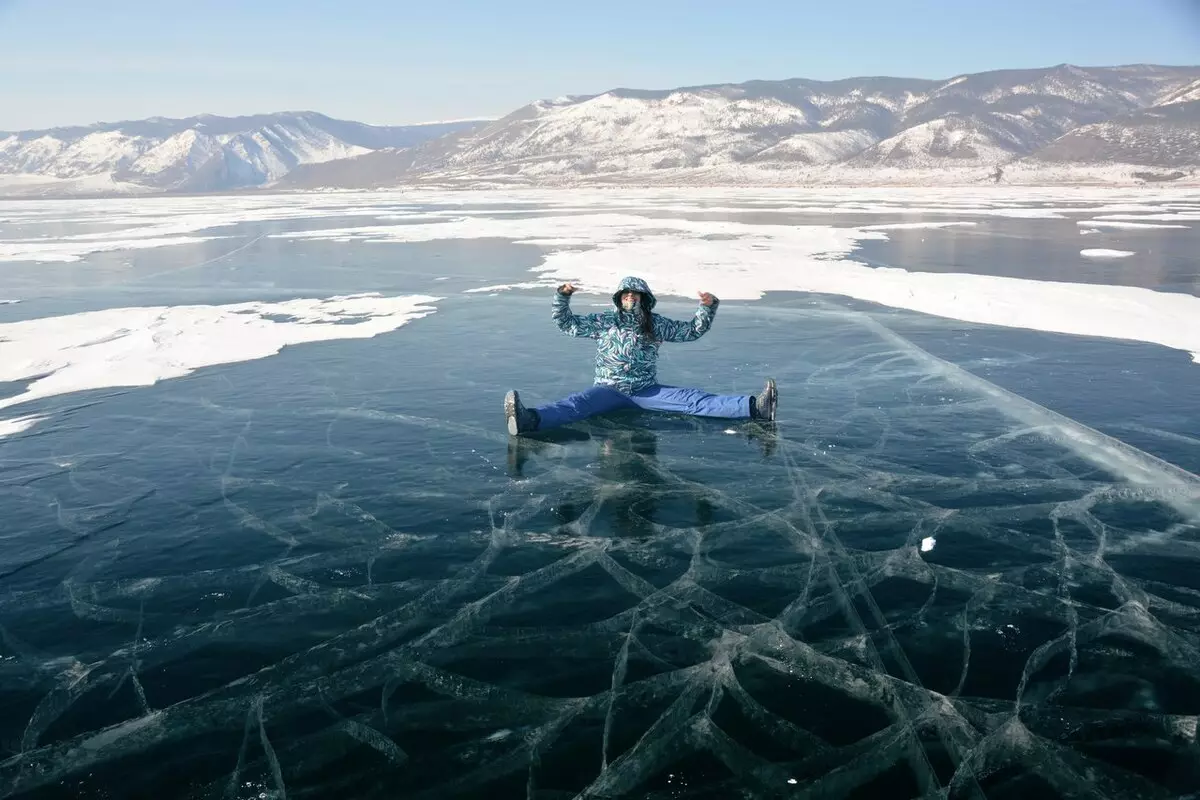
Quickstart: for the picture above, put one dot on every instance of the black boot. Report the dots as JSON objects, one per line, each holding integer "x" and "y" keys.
{"x": 766, "y": 401}
{"x": 520, "y": 419}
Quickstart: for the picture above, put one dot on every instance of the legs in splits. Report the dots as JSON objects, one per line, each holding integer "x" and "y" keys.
{"x": 672, "y": 399}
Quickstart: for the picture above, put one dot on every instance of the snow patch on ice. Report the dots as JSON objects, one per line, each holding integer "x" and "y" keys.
{"x": 502, "y": 287}
{"x": 75, "y": 250}
{"x": 160, "y": 222}
{"x": 904, "y": 226}
{"x": 740, "y": 261}
{"x": 1107, "y": 223}
{"x": 734, "y": 260}
{"x": 1103, "y": 252}
{"x": 1178, "y": 215}
{"x": 17, "y": 424}
{"x": 141, "y": 346}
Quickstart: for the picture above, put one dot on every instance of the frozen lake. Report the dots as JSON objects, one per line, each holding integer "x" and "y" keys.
{"x": 264, "y": 531}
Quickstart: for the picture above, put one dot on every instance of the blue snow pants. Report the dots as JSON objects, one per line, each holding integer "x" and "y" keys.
{"x": 601, "y": 399}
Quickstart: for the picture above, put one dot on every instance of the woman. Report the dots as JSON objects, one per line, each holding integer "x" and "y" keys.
{"x": 627, "y": 365}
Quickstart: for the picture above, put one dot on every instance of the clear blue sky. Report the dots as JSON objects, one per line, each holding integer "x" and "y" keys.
{"x": 397, "y": 61}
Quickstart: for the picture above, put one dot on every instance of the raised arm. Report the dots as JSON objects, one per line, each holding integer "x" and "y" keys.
{"x": 586, "y": 325}
{"x": 674, "y": 330}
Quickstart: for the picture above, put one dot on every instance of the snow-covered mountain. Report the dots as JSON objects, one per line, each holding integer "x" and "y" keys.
{"x": 1165, "y": 135}
{"x": 204, "y": 153}
{"x": 1056, "y": 124}
{"x": 855, "y": 130}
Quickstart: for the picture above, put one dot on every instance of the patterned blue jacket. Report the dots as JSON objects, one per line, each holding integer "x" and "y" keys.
{"x": 625, "y": 359}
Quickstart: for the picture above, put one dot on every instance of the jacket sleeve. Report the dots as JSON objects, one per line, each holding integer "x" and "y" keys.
{"x": 586, "y": 325}
{"x": 674, "y": 330}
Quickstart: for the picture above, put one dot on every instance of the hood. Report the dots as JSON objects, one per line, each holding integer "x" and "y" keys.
{"x": 632, "y": 284}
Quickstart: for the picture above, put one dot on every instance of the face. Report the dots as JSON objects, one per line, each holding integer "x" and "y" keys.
{"x": 630, "y": 300}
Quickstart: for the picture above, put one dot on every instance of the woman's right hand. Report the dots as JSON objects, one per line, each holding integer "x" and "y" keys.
{"x": 566, "y": 289}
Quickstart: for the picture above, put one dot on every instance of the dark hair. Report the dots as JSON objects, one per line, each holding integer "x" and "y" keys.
{"x": 645, "y": 317}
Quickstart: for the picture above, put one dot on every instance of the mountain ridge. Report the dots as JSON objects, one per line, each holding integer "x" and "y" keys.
{"x": 1061, "y": 124}
{"x": 200, "y": 153}
{"x": 974, "y": 127}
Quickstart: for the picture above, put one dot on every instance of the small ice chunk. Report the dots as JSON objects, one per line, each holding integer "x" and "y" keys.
{"x": 927, "y": 544}
{"x": 18, "y": 424}
{"x": 1096, "y": 223}
{"x": 1103, "y": 252}
{"x": 730, "y": 430}
{"x": 904, "y": 226}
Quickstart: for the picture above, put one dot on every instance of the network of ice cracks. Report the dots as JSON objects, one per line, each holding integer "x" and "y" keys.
{"x": 817, "y": 630}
